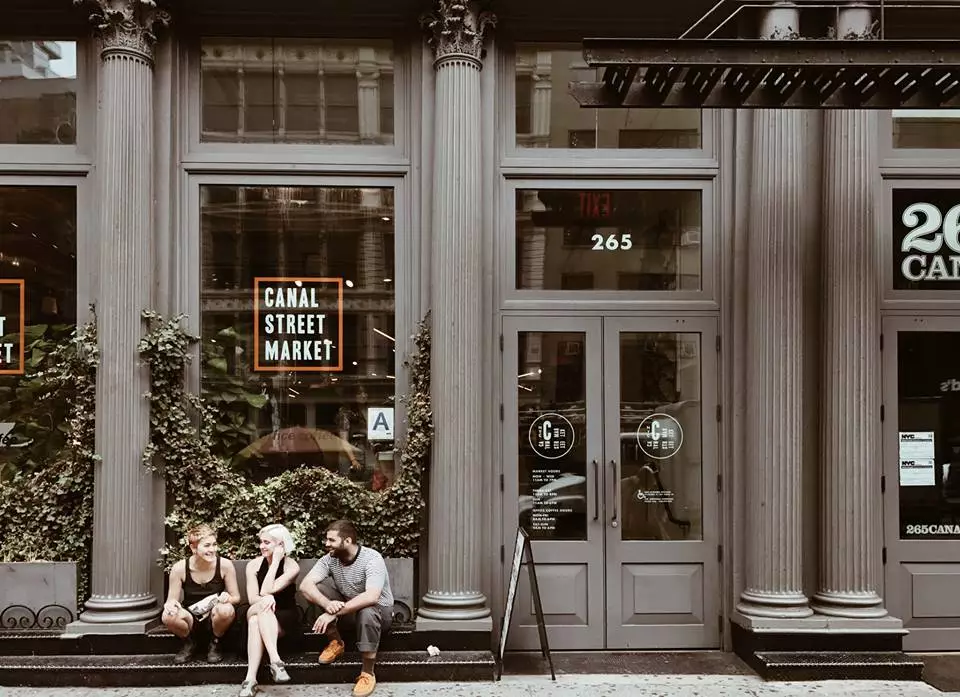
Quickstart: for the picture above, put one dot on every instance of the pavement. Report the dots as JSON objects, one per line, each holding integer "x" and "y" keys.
{"x": 534, "y": 686}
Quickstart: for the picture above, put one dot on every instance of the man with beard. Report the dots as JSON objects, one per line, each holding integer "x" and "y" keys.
{"x": 351, "y": 582}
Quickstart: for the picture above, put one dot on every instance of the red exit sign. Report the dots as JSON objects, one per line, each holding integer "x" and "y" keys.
{"x": 595, "y": 205}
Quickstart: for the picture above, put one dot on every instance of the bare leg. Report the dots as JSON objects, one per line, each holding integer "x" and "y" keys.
{"x": 223, "y": 615}
{"x": 254, "y": 647}
{"x": 269, "y": 631}
{"x": 180, "y": 624}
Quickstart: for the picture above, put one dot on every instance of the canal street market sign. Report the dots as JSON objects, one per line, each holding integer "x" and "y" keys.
{"x": 12, "y": 326}
{"x": 298, "y": 324}
{"x": 926, "y": 239}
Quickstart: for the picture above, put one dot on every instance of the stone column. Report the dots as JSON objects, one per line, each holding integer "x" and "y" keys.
{"x": 368, "y": 95}
{"x": 122, "y": 554}
{"x": 850, "y": 374}
{"x": 455, "y": 556}
{"x": 779, "y": 226}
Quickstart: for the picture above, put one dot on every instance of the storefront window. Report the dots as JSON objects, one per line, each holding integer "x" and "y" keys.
{"x": 547, "y": 116}
{"x": 38, "y": 311}
{"x": 297, "y": 91}
{"x": 926, "y": 128}
{"x": 38, "y": 92}
{"x": 929, "y": 435}
{"x": 298, "y": 328}
{"x": 593, "y": 239}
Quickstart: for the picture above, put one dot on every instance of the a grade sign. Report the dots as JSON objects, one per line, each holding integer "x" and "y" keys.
{"x": 660, "y": 436}
{"x": 551, "y": 436}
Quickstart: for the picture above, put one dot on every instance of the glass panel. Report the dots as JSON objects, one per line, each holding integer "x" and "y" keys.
{"x": 592, "y": 239}
{"x": 298, "y": 326}
{"x": 38, "y": 258}
{"x": 552, "y": 436}
{"x": 926, "y": 128}
{"x": 660, "y": 453}
{"x": 928, "y": 457}
{"x": 925, "y": 252}
{"x": 297, "y": 91}
{"x": 549, "y": 117}
{"x": 38, "y": 92}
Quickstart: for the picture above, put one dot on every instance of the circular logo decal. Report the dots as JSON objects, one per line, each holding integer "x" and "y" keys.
{"x": 660, "y": 436}
{"x": 551, "y": 436}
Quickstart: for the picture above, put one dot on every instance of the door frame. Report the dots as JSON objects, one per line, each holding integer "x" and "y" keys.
{"x": 925, "y": 634}
{"x": 707, "y": 324}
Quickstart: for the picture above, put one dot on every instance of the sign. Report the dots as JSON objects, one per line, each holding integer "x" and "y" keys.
{"x": 660, "y": 436}
{"x": 551, "y": 436}
{"x": 380, "y": 423}
{"x": 522, "y": 546}
{"x": 12, "y": 326}
{"x": 298, "y": 324}
{"x": 926, "y": 239}
{"x": 916, "y": 457}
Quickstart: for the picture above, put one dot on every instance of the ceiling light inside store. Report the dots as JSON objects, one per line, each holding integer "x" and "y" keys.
{"x": 384, "y": 334}
{"x": 15, "y": 225}
{"x": 385, "y": 218}
{"x": 354, "y": 362}
{"x": 349, "y": 283}
{"x": 388, "y": 280}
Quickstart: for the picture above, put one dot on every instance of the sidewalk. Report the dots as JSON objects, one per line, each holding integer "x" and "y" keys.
{"x": 528, "y": 686}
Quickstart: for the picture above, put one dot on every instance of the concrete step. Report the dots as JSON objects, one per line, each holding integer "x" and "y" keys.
{"x": 837, "y": 665}
{"x": 142, "y": 670}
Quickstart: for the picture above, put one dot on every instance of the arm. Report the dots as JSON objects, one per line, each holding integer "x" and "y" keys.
{"x": 230, "y": 581}
{"x": 253, "y": 590}
{"x": 176, "y": 586}
{"x": 319, "y": 572}
{"x": 376, "y": 573}
{"x": 291, "y": 570}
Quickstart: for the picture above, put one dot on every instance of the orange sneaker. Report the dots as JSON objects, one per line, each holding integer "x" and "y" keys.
{"x": 365, "y": 685}
{"x": 333, "y": 651}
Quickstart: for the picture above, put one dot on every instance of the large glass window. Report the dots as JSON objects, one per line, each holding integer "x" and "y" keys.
{"x": 593, "y": 239}
{"x": 298, "y": 327}
{"x": 926, "y": 128}
{"x": 38, "y": 311}
{"x": 297, "y": 91}
{"x": 547, "y": 116}
{"x": 38, "y": 92}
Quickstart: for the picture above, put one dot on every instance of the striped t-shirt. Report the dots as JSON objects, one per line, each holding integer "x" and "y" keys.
{"x": 368, "y": 570}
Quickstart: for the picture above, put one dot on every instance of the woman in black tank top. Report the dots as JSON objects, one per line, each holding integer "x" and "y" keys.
{"x": 273, "y": 610}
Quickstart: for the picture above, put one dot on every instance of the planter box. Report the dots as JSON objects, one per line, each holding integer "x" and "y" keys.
{"x": 38, "y": 595}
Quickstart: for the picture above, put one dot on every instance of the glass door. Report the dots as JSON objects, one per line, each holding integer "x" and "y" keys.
{"x": 922, "y": 476}
{"x": 660, "y": 436}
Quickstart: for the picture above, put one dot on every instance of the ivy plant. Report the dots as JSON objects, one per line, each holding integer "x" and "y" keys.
{"x": 203, "y": 487}
{"x": 47, "y": 508}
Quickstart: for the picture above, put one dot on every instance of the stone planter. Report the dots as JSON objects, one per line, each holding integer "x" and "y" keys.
{"x": 38, "y": 595}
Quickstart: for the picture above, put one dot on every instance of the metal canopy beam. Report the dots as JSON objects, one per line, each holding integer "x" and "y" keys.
{"x": 753, "y": 73}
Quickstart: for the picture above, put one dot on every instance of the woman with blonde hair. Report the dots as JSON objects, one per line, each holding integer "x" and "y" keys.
{"x": 271, "y": 591}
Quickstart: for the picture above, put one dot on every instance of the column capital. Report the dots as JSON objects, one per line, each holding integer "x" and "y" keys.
{"x": 127, "y": 26}
{"x": 457, "y": 29}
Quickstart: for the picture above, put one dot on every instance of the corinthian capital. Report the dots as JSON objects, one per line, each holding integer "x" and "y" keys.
{"x": 127, "y": 26}
{"x": 457, "y": 28}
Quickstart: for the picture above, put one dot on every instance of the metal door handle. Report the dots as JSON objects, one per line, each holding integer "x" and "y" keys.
{"x": 596, "y": 490}
{"x": 616, "y": 493}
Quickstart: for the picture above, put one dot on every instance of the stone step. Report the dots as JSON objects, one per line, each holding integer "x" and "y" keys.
{"x": 159, "y": 669}
{"x": 837, "y": 665}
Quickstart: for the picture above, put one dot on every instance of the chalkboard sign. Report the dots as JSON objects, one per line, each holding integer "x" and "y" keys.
{"x": 523, "y": 545}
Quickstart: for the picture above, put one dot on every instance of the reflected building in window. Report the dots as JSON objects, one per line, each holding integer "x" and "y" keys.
{"x": 37, "y": 100}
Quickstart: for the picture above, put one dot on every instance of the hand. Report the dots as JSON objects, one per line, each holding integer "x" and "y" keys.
{"x": 334, "y": 606}
{"x": 268, "y": 603}
{"x": 323, "y": 622}
{"x": 171, "y": 608}
{"x": 278, "y": 553}
{"x": 223, "y": 598}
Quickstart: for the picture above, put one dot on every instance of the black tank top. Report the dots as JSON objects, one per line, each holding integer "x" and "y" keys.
{"x": 194, "y": 592}
{"x": 286, "y": 598}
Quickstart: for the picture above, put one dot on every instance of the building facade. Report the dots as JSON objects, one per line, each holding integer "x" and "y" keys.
{"x": 702, "y": 355}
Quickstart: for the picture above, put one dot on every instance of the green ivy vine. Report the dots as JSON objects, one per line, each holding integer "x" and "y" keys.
{"x": 203, "y": 487}
{"x": 47, "y": 509}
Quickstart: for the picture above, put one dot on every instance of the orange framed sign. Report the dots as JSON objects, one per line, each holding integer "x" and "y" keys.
{"x": 298, "y": 324}
{"x": 12, "y": 324}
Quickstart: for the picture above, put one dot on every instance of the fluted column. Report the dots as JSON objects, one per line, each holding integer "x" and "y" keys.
{"x": 455, "y": 31}
{"x": 122, "y": 554}
{"x": 850, "y": 516}
{"x": 777, "y": 232}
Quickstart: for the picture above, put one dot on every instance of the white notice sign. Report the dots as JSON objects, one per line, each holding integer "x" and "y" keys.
{"x": 917, "y": 473}
{"x": 380, "y": 423}
{"x": 916, "y": 445}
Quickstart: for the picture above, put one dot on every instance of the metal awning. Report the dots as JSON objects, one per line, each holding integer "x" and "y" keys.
{"x": 754, "y": 73}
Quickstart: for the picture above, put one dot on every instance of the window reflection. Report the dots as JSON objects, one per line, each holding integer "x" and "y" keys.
{"x": 297, "y": 91}
{"x": 547, "y": 116}
{"x": 926, "y": 128}
{"x": 38, "y": 92}
{"x": 629, "y": 240}
{"x": 275, "y": 420}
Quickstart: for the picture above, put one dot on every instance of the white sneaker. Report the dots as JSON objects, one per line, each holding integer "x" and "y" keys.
{"x": 248, "y": 688}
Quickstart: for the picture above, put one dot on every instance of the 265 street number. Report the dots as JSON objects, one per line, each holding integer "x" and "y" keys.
{"x": 611, "y": 243}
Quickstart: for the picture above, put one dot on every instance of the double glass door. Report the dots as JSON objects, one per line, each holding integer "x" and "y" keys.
{"x": 610, "y": 444}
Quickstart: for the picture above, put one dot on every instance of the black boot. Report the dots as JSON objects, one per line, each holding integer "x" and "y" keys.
{"x": 185, "y": 652}
{"x": 213, "y": 651}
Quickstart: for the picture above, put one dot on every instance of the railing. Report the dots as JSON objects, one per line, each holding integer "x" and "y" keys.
{"x": 20, "y": 618}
